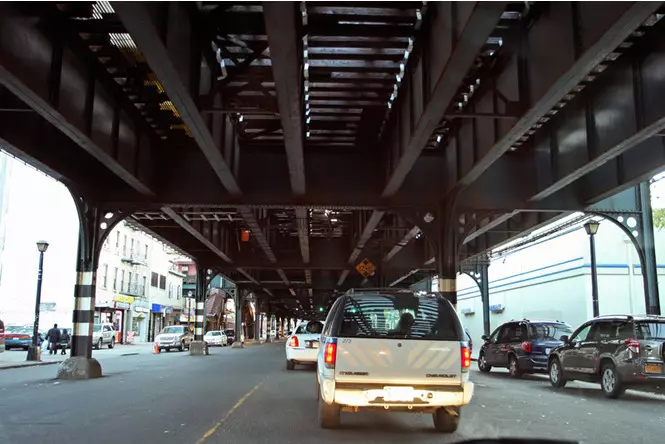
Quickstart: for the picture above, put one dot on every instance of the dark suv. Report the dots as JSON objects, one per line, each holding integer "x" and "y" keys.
{"x": 522, "y": 346}
{"x": 618, "y": 351}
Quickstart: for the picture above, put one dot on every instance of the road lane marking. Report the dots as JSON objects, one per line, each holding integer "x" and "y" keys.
{"x": 240, "y": 402}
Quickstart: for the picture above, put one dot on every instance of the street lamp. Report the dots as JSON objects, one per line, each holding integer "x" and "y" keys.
{"x": 591, "y": 229}
{"x": 34, "y": 350}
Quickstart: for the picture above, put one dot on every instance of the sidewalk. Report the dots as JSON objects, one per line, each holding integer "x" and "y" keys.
{"x": 16, "y": 358}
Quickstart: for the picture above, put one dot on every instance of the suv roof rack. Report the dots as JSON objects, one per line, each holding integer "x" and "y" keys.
{"x": 387, "y": 290}
{"x": 618, "y": 316}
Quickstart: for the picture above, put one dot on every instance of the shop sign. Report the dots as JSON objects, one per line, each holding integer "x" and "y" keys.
{"x": 168, "y": 310}
{"x": 141, "y": 310}
{"x": 122, "y": 305}
{"x": 125, "y": 299}
{"x": 156, "y": 308}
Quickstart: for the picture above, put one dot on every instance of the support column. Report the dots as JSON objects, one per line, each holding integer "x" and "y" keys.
{"x": 257, "y": 319}
{"x": 95, "y": 224}
{"x": 238, "y": 300}
{"x": 268, "y": 320}
{"x": 649, "y": 267}
{"x": 485, "y": 294}
{"x": 447, "y": 251}
{"x": 198, "y": 347}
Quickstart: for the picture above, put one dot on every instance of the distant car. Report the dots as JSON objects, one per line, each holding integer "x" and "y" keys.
{"x": 617, "y": 351}
{"x": 522, "y": 346}
{"x": 468, "y": 337}
{"x": 2, "y": 336}
{"x": 303, "y": 346}
{"x": 395, "y": 351}
{"x": 174, "y": 336}
{"x": 103, "y": 334}
{"x": 216, "y": 337}
{"x": 230, "y": 336}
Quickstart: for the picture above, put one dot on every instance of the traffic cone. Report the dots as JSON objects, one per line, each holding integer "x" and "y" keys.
{"x": 156, "y": 350}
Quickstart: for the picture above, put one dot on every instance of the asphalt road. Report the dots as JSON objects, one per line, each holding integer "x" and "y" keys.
{"x": 247, "y": 396}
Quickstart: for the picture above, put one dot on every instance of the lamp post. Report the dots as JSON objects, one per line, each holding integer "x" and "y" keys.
{"x": 34, "y": 350}
{"x": 189, "y": 309}
{"x": 591, "y": 229}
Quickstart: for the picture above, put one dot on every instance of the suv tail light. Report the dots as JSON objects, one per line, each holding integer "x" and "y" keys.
{"x": 526, "y": 346}
{"x": 633, "y": 345}
{"x": 466, "y": 358}
{"x": 330, "y": 355}
{"x": 293, "y": 342}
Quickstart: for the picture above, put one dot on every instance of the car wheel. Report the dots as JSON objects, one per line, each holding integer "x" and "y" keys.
{"x": 328, "y": 415}
{"x": 181, "y": 347}
{"x": 513, "y": 367}
{"x": 555, "y": 373}
{"x": 290, "y": 364}
{"x": 112, "y": 343}
{"x": 483, "y": 366}
{"x": 446, "y": 419}
{"x": 99, "y": 344}
{"x": 609, "y": 381}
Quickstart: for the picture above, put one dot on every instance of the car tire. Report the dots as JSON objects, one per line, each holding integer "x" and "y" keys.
{"x": 610, "y": 382}
{"x": 329, "y": 415}
{"x": 555, "y": 374}
{"x": 514, "y": 367}
{"x": 483, "y": 366}
{"x": 446, "y": 419}
{"x": 112, "y": 343}
{"x": 181, "y": 347}
{"x": 99, "y": 344}
{"x": 290, "y": 364}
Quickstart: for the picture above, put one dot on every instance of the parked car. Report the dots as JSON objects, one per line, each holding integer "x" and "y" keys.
{"x": 174, "y": 336}
{"x": 103, "y": 334}
{"x": 618, "y": 351}
{"x": 303, "y": 346}
{"x": 19, "y": 336}
{"x": 366, "y": 359}
{"x": 230, "y": 336}
{"x": 216, "y": 337}
{"x": 468, "y": 338}
{"x": 521, "y": 346}
{"x": 2, "y": 336}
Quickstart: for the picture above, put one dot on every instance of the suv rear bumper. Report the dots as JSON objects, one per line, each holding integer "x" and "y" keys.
{"x": 302, "y": 354}
{"x": 533, "y": 363}
{"x": 425, "y": 397}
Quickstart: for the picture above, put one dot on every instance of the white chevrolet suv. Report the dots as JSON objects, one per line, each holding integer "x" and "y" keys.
{"x": 393, "y": 350}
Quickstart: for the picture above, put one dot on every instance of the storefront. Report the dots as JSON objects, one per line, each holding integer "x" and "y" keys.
{"x": 140, "y": 320}
{"x": 162, "y": 316}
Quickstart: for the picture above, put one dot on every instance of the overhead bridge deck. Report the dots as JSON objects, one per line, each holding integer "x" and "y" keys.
{"x": 414, "y": 136}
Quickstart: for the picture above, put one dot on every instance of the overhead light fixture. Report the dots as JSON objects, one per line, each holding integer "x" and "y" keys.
{"x": 438, "y": 138}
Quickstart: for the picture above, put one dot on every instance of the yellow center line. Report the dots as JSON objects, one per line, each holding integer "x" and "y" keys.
{"x": 214, "y": 428}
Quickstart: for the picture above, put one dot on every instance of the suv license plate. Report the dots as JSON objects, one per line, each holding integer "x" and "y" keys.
{"x": 653, "y": 368}
{"x": 398, "y": 394}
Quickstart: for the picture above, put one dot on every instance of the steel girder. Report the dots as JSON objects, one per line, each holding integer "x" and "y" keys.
{"x": 44, "y": 69}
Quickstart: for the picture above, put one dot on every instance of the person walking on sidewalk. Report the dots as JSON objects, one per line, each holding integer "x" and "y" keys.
{"x": 53, "y": 339}
{"x": 64, "y": 341}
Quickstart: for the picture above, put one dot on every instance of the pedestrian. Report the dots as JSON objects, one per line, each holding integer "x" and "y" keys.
{"x": 53, "y": 339}
{"x": 65, "y": 341}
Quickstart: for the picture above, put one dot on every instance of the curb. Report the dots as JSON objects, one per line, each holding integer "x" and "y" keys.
{"x": 33, "y": 364}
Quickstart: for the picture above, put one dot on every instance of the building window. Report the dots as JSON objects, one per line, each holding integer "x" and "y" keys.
{"x": 117, "y": 239}
{"x": 144, "y": 284}
{"x": 145, "y": 252}
{"x": 105, "y": 271}
{"x": 178, "y": 292}
{"x": 124, "y": 246}
{"x": 170, "y": 291}
{"x": 131, "y": 249}
{"x": 162, "y": 282}
{"x": 154, "y": 279}
{"x": 115, "y": 278}
{"x": 122, "y": 280}
{"x": 185, "y": 268}
{"x": 129, "y": 282}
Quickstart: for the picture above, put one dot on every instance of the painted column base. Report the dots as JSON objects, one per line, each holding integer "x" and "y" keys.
{"x": 198, "y": 348}
{"x": 79, "y": 367}
{"x": 237, "y": 344}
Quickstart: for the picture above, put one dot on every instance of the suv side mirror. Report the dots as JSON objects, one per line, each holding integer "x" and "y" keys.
{"x": 485, "y": 338}
{"x": 565, "y": 339}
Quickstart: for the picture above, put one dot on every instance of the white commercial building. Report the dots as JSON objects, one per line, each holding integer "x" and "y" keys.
{"x": 550, "y": 279}
{"x": 138, "y": 288}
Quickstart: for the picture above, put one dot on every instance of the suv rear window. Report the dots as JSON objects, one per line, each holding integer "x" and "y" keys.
{"x": 551, "y": 331}
{"x": 650, "y": 330}
{"x": 399, "y": 315}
